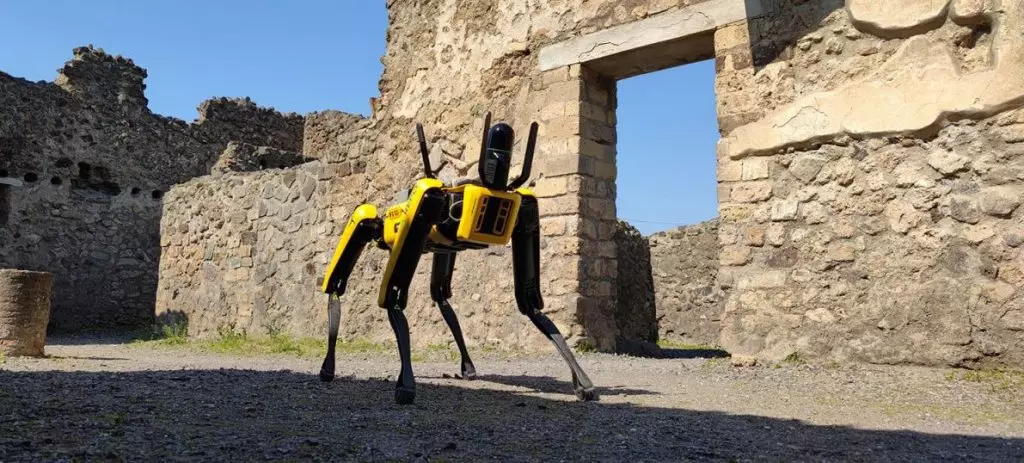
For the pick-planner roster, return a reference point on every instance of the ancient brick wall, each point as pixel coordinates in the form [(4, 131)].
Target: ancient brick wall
[(871, 181), (869, 178), (684, 265), (635, 314), (447, 63), (88, 165)]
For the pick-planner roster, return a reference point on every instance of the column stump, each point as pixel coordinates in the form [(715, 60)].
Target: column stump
[(24, 311)]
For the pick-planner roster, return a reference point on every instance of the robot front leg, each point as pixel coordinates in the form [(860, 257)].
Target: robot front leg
[(526, 266), (363, 227), (441, 291), (405, 387), (405, 257)]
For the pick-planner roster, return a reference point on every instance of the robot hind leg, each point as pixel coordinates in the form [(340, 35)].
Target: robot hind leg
[(441, 291), (526, 267), (363, 227)]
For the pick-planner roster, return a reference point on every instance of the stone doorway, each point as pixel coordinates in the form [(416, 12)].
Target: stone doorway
[(595, 64), (666, 195)]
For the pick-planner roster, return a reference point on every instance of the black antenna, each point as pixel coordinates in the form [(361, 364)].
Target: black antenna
[(531, 143), (483, 145), (424, 151)]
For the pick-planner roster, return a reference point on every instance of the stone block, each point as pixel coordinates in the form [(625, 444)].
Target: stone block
[(765, 279), (947, 162), (964, 209), (1001, 201), (785, 210), (730, 171), (775, 235), (559, 165), (551, 186), (755, 168), (806, 167), (840, 252), (569, 91), (730, 212), (754, 236), (750, 192), (735, 255)]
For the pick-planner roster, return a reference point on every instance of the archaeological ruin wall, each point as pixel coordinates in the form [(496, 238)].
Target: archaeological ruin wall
[(688, 297), (447, 63), (877, 147), (84, 166), (870, 180)]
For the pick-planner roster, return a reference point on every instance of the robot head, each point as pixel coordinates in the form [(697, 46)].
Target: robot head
[(495, 155)]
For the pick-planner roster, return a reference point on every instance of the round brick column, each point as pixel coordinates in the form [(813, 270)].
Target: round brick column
[(24, 311)]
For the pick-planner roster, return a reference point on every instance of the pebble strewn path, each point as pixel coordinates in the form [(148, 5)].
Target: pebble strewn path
[(112, 402)]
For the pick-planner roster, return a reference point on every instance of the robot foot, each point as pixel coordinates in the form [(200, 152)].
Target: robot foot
[(586, 394), (327, 370), (404, 396)]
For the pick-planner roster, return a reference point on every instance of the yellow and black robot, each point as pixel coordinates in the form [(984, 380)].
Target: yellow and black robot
[(443, 220)]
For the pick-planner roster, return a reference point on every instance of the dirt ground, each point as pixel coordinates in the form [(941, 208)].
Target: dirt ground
[(97, 401)]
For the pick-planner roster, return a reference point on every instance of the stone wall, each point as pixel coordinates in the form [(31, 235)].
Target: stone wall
[(871, 176), (635, 315), (447, 62), (684, 264), (869, 179), (85, 165)]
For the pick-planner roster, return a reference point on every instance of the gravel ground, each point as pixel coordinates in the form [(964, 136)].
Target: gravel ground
[(94, 401)]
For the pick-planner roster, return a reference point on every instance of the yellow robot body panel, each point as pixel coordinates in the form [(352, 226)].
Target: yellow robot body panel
[(526, 192), (393, 220), (396, 222), (363, 212), (488, 216)]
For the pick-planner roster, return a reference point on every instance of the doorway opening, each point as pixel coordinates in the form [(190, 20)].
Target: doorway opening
[(667, 128)]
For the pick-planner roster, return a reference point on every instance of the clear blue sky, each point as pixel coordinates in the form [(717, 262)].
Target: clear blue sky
[(309, 55)]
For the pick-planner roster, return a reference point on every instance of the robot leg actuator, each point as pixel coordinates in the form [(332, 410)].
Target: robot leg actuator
[(526, 266), (364, 226), (441, 291)]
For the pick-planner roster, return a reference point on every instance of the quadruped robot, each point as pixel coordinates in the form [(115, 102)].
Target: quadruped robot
[(444, 220)]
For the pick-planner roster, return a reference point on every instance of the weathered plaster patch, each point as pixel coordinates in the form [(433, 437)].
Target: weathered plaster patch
[(886, 18), (916, 88)]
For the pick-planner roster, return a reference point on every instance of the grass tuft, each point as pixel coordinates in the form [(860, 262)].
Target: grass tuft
[(585, 346), (998, 380), (794, 359), (171, 334), (669, 344)]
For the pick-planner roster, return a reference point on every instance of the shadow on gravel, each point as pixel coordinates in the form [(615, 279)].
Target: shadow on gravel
[(100, 337), (689, 354), (547, 384), (220, 415)]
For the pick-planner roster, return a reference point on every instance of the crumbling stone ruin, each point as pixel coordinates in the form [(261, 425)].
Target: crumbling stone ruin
[(870, 181), (84, 166)]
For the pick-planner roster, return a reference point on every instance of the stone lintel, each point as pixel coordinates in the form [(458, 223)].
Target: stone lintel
[(674, 27)]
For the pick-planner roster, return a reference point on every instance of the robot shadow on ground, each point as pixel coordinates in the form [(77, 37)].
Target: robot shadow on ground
[(549, 385), (213, 415)]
